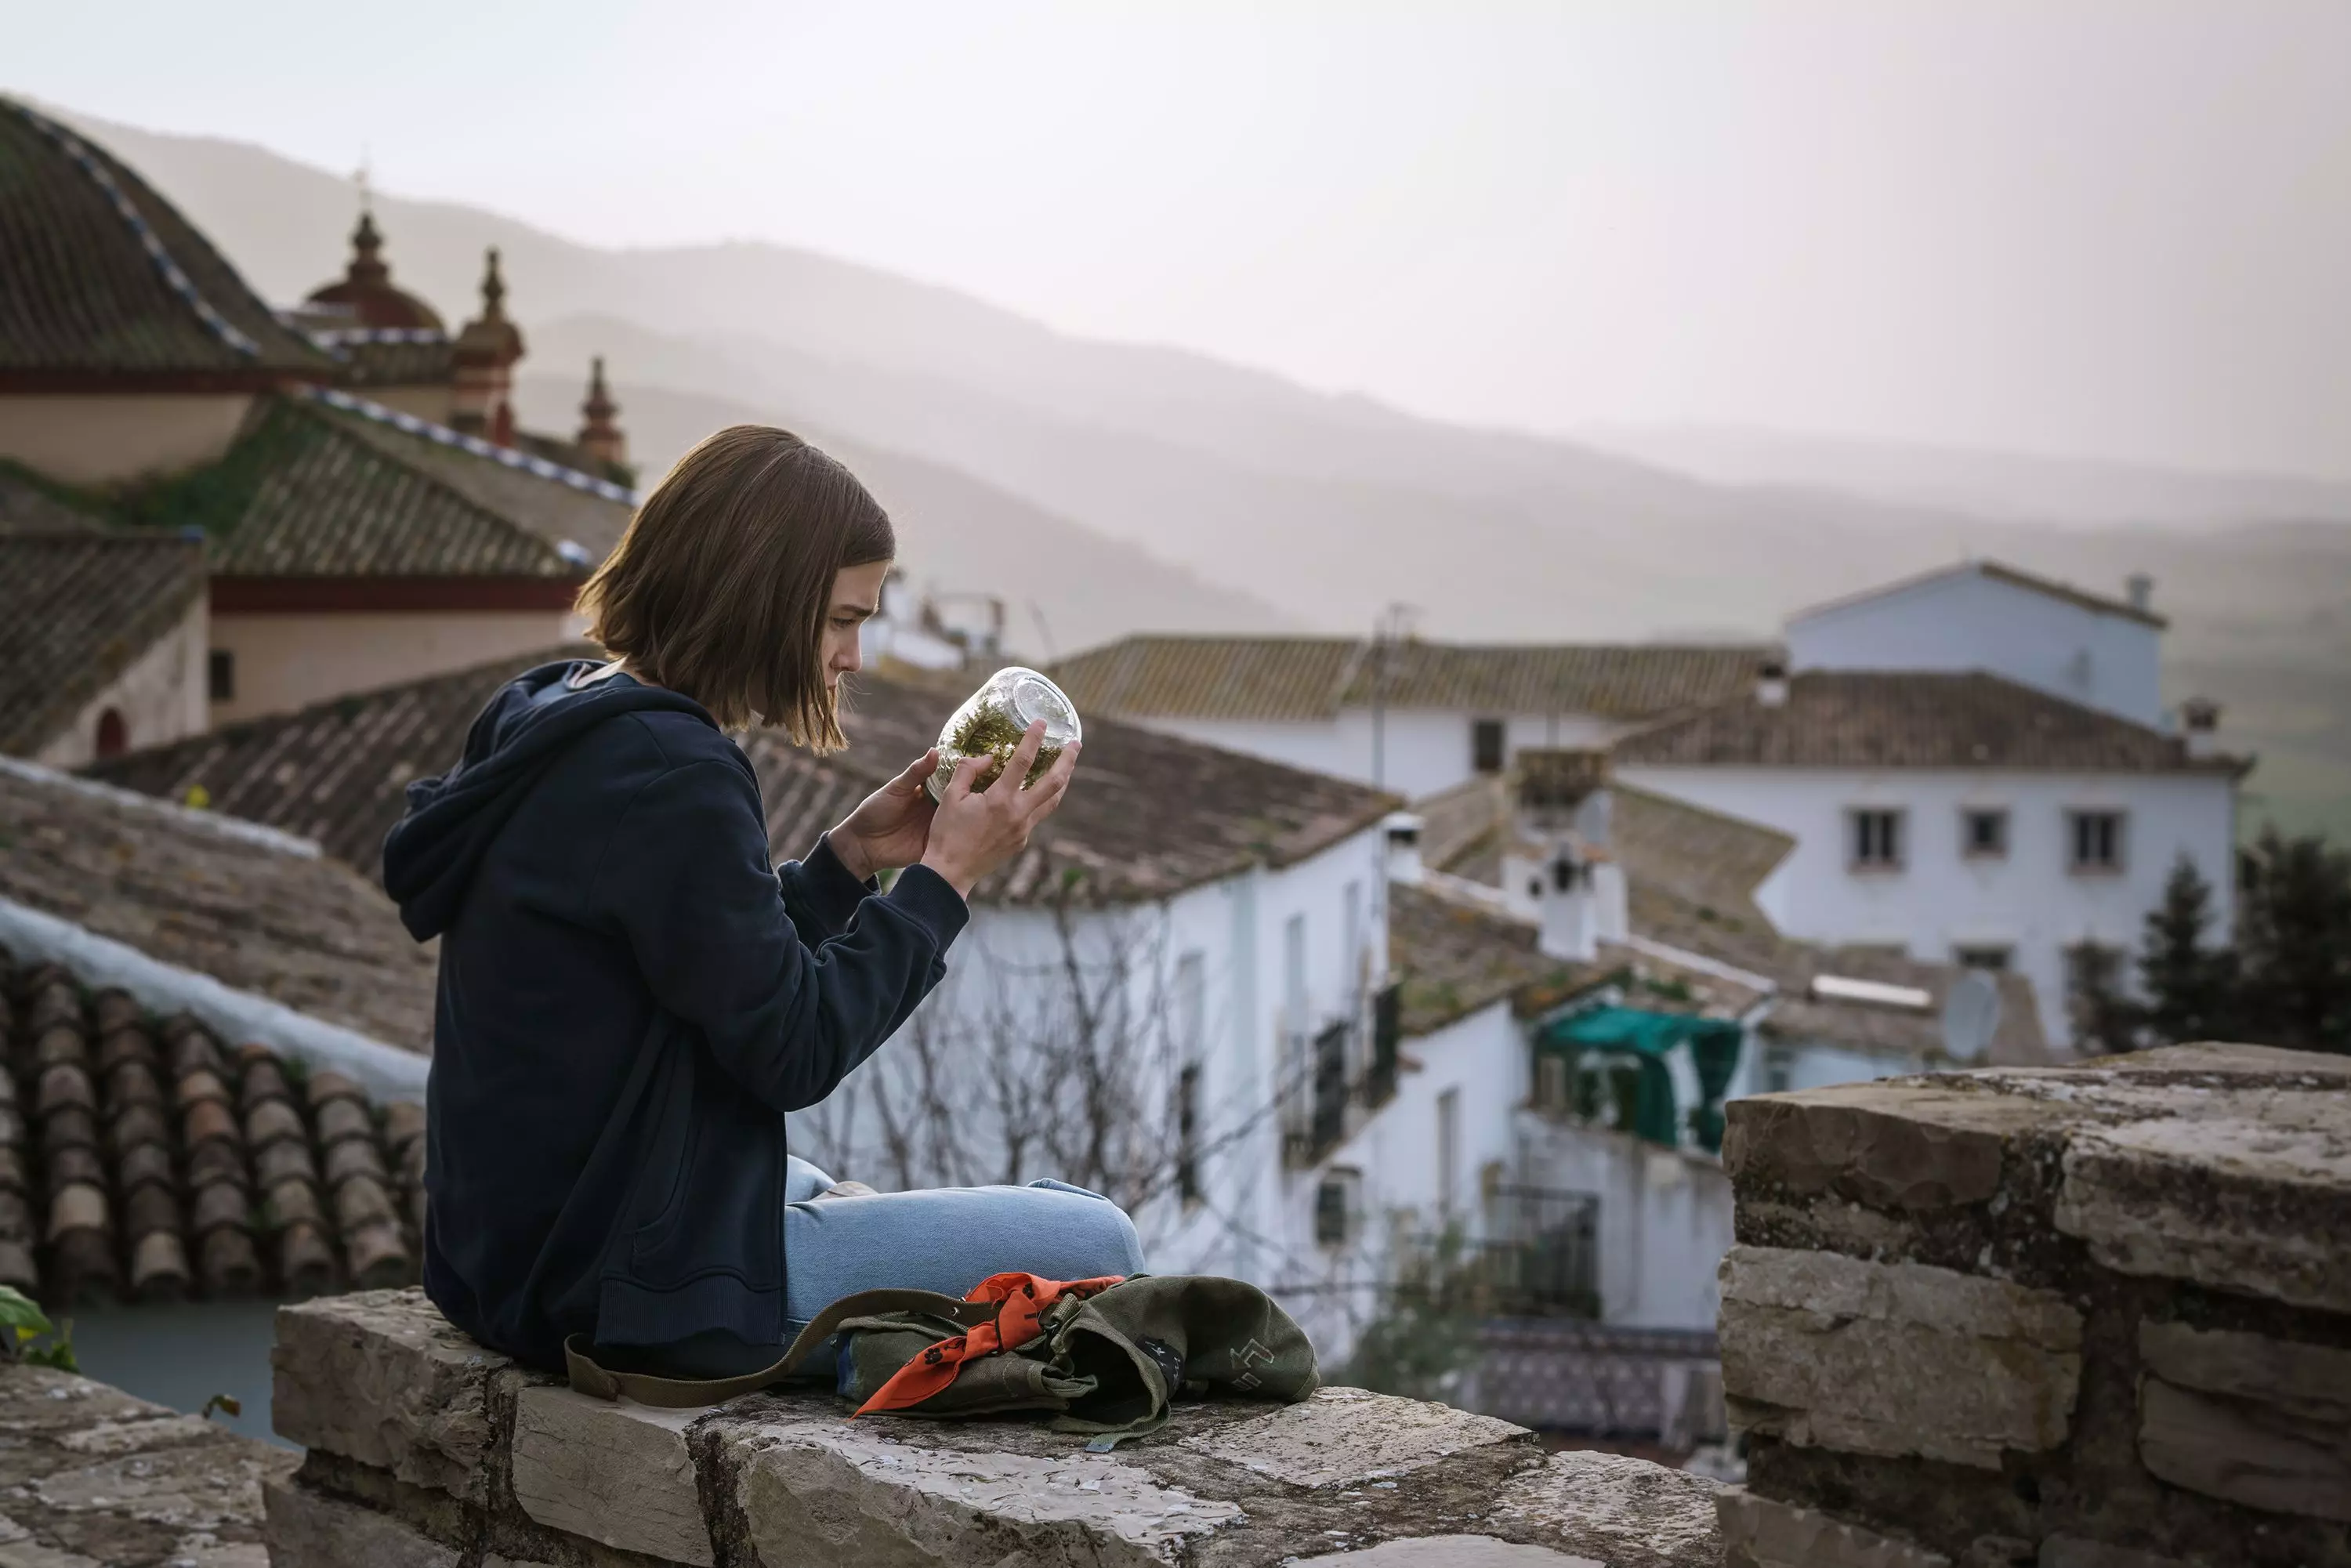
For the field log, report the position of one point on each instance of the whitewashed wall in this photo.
(1940, 901)
(1250, 1216)
(1965, 621)
(161, 696)
(1423, 751)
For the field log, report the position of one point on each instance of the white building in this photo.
(1411, 716)
(103, 640)
(1958, 818)
(1982, 615)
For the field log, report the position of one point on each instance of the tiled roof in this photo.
(205, 893)
(29, 504)
(312, 491)
(1149, 815)
(76, 610)
(405, 362)
(2098, 603)
(1690, 877)
(1851, 718)
(1451, 959)
(1291, 678)
(145, 1157)
(333, 772)
(98, 275)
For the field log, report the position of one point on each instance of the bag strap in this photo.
(590, 1376)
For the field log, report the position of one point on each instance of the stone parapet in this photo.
(426, 1451)
(2085, 1317)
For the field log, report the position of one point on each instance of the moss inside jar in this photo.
(992, 721)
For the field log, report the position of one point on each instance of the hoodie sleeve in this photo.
(820, 894)
(686, 876)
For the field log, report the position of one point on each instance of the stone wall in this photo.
(427, 1451)
(2090, 1317)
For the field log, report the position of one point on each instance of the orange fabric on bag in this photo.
(1022, 1301)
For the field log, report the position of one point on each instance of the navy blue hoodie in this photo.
(630, 997)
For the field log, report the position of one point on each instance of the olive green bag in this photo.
(1109, 1364)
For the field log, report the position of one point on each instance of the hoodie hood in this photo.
(431, 854)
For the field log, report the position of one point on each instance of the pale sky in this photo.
(2118, 229)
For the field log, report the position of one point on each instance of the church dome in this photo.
(366, 291)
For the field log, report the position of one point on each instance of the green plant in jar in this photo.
(992, 720)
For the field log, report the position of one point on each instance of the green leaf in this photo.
(21, 1313)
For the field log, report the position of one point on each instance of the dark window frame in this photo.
(1490, 746)
(1969, 847)
(2097, 840)
(220, 675)
(1973, 956)
(1874, 838)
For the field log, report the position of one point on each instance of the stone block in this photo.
(1896, 1145)
(1346, 1435)
(2251, 1195)
(2074, 1552)
(1758, 1532)
(831, 1494)
(381, 1377)
(1626, 1512)
(1451, 1552)
(308, 1529)
(2263, 1422)
(616, 1472)
(1895, 1359)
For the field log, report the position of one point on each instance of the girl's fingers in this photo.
(965, 771)
(1024, 755)
(921, 768)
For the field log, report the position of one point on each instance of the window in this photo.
(1335, 1205)
(222, 668)
(1876, 840)
(113, 734)
(1779, 1069)
(1351, 959)
(1188, 1134)
(1550, 1081)
(1992, 957)
(1486, 745)
(1984, 834)
(2095, 839)
(1448, 1148)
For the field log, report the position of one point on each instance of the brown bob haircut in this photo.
(720, 588)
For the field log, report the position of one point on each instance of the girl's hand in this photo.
(891, 826)
(975, 834)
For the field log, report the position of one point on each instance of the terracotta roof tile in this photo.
(81, 292)
(1298, 678)
(245, 907)
(135, 1199)
(1450, 959)
(77, 609)
(2098, 603)
(1846, 718)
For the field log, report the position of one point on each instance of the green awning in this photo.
(1651, 1036)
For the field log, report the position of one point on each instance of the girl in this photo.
(631, 996)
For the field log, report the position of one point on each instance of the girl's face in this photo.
(856, 599)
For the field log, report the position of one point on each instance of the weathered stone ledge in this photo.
(2092, 1317)
(428, 1452)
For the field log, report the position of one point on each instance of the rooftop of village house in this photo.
(1157, 815)
(77, 607)
(1237, 677)
(1911, 718)
(256, 910)
(1691, 876)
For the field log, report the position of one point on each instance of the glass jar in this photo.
(992, 720)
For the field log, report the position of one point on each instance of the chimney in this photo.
(1771, 683)
(1562, 817)
(2140, 590)
(1402, 831)
(2201, 718)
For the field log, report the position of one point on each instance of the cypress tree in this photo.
(2293, 944)
(2191, 989)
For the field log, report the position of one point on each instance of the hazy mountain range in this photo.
(1119, 488)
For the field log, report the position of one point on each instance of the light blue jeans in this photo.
(945, 1240)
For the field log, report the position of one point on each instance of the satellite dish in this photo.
(1970, 1014)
